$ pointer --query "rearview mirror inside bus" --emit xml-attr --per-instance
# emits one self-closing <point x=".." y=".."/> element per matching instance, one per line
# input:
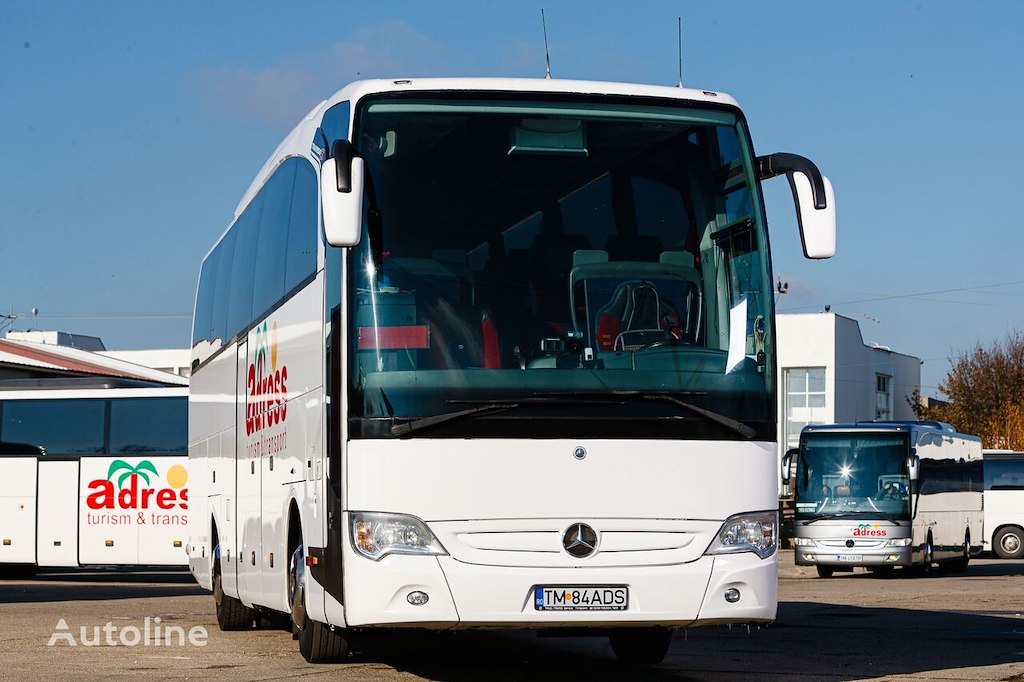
<point x="341" y="182"/>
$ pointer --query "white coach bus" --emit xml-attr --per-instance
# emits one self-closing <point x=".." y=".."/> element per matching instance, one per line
<point x="886" y="494"/>
<point x="1004" y="503"/>
<point x="92" y="472"/>
<point x="495" y="353"/>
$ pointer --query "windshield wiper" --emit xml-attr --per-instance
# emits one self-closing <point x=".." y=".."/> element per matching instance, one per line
<point x="828" y="517"/>
<point x="728" y="422"/>
<point x="862" y="513"/>
<point x="483" y="407"/>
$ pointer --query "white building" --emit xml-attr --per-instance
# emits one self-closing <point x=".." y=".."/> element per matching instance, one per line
<point x="828" y="375"/>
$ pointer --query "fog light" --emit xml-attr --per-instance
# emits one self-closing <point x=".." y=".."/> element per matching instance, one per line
<point x="809" y="557"/>
<point x="732" y="595"/>
<point x="417" y="598"/>
<point x="892" y="557"/>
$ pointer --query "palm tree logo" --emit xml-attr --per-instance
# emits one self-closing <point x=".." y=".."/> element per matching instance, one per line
<point x="139" y="470"/>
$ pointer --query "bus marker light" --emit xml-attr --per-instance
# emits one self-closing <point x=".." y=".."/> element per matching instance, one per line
<point x="109" y="543"/>
<point x="417" y="598"/>
<point x="312" y="560"/>
<point x="7" y="542"/>
<point x="177" y="543"/>
<point x="732" y="595"/>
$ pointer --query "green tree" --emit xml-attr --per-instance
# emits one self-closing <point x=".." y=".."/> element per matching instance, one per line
<point x="985" y="387"/>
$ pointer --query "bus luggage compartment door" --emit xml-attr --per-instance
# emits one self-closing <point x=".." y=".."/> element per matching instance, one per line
<point x="18" y="510"/>
<point x="58" y="513"/>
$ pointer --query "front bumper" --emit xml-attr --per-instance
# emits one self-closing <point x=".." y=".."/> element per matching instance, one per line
<point x="463" y="595"/>
<point x="831" y="556"/>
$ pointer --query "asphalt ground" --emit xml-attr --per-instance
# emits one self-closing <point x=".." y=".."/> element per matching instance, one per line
<point x="856" y="626"/>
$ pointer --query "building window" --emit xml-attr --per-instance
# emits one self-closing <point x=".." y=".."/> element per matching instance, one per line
<point x="883" y="396"/>
<point x="805" y="401"/>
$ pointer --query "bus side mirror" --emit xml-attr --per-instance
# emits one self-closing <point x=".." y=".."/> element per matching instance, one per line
<point x="341" y="186"/>
<point x="914" y="467"/>
<point x="814" y="198"/>
<point x="787" y="462"/>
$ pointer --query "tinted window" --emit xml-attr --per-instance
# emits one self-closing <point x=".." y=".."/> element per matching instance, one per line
<point x="148" y="425"/>
<point x="63" y="427"/>
<point x="221" y="293"/>
<point x="335" y="124"/>
<point x="243" y="266"/>
<point x="1004" y="473"/>
<point x="204" y="300"/>
<point x="950" y="476"/>
<point x="268" y="286"/>
<point x="302" y="228"/>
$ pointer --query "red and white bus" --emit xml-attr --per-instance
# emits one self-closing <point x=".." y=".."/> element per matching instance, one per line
<point x="92" y="472"/>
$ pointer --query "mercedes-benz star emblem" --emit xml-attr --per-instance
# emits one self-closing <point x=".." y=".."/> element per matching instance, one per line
<point x="580" y="540"/>
<point x="579" y="453"/>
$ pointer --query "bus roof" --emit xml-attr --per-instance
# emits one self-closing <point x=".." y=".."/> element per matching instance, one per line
<point x="892" y="425"/>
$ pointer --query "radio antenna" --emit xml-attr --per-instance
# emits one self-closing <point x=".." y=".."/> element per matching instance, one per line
<point x="547" y="53"/>
<point x="680" y="25"/>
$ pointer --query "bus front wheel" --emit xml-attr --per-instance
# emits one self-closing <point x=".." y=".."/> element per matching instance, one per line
<point x="640" y="646"/>
<point x="1008" y="543"/>
<point x="318" y="643"/>
<point x="825" y="571"/>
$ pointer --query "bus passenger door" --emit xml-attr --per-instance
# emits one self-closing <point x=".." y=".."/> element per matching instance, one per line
<point x="248" y="478"/>
<point x="58" y="516"/>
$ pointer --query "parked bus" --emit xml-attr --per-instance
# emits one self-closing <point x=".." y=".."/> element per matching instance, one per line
<point x="1004" y="503"/>
<point x="886" y="494"/>
<point x="495" y="353"/>
<point x="93" y="472"/>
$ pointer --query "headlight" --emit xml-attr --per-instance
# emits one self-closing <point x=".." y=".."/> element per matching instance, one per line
<point x="375" y="535"/>
<point x="757" y="533"/>
<point x="803" y="542"/>
<point x="899" y="542"/>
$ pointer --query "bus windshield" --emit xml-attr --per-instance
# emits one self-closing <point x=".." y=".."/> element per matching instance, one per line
<point x="548" y="247"/>
<point x="857" y="475"/>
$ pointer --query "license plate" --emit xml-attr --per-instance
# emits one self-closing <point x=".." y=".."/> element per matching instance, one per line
<point x="580" y="597"/>
<point x="851" y="557"/>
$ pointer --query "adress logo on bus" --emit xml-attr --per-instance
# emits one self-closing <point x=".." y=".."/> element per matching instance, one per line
<point x="266" y="401"/>
<point x="870" y="530"/>
<point x="137" y="487"/>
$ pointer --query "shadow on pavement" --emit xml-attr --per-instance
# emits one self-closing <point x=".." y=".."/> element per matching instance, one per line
<point x="52" y="585"/>
<point x="810" y="641"/>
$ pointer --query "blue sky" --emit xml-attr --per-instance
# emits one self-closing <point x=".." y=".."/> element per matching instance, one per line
<point x="131" y="130"/>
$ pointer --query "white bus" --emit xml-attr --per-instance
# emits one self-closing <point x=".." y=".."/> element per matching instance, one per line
<point x="92" y="472"/>
<point x="495" y="353"/>
<point x="886" y="494"/>
<point x="1004" y="503"/>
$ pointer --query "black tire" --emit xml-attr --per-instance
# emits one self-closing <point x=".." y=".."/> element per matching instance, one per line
<point x="927" y="565"/>
<point x="1008" y="543"/>
<point x="640" y="646"/>
<point x="318" y="643"/>
<point x="825" y="571"/>
<point x="232" y="614"/>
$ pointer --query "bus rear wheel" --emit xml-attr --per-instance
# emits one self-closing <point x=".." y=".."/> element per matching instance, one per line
<point x="232" y="614"/>
<point x="1008" y="543"/>
<point x="640" y="646"/>
<point x="318" y="643"/>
